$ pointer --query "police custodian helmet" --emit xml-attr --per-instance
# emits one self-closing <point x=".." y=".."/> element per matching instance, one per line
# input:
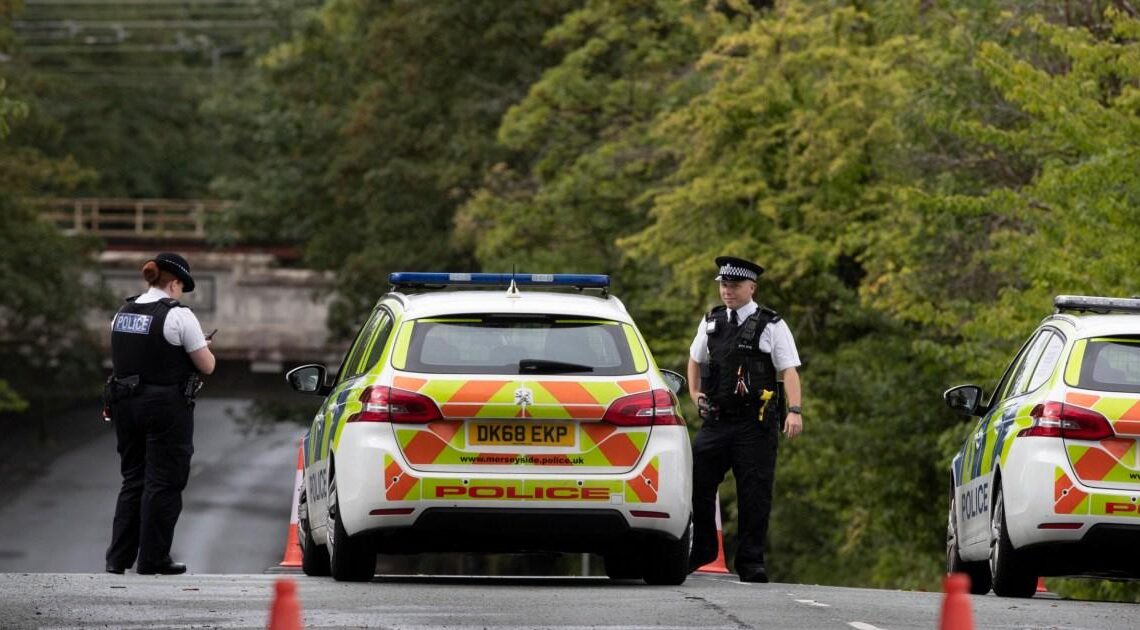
<point x="176" y="265"/>
<point x="735" y="269"/>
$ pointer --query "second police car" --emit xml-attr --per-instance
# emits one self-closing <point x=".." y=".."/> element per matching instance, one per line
<point x="470" y="415"/>
<point x="1048" y="483"/>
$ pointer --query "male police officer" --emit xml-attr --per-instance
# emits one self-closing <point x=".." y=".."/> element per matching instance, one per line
<point x="158" y="349"/>
<point x="740" y="358"/>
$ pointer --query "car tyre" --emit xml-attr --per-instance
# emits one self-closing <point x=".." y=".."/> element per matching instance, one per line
<point x="1012" y="575"/>
<point x="314" y="557"/>
<point x="351" y="558"/>
<point x="667" y="561"/>
<point x="979" y="572"/>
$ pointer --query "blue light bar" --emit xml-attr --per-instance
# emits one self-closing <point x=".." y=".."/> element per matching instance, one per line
<point x="575" y="280"/>
<point x="1096" y="304"/>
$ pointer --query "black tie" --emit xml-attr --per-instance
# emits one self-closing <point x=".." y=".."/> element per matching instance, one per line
<point x="732" y="318"/>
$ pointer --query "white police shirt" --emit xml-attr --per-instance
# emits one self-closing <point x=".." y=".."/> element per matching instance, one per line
<point x="181" y="328"/>
<point x="775" y="340"/>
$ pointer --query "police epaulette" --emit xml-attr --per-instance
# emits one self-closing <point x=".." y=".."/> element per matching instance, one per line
<point x="711" y="315"/>
<point x="773" y="316"/>
<point x="132" y="298"/>
<point x="171" y="302"/>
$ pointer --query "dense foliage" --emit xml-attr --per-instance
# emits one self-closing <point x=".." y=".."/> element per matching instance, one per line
<point x="368" y="129"/>
<point x="44" y="345"/>
<point x="919" y="178"/>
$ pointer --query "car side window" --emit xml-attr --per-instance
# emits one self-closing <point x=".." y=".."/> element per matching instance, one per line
<point x="1047" y="362"/>
<point x="1005" y="387"/>
<point x="348" y="368"/>
<point x="379" y="339"/>
<point x="1028" y="366"/>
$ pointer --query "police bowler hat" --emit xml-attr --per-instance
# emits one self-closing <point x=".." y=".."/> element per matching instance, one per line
<point x="177" y="266"/>
<point x="735" y="269"/>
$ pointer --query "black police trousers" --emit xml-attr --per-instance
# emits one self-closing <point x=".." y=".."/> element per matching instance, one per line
<point x="155" y="430"/>
<point x="748" y="448"/>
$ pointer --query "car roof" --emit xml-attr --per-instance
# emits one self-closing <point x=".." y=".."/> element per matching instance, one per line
<point x="439" y="303"/>
<point x="1097" y="325"/>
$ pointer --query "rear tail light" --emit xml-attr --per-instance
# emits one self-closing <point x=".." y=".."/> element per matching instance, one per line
<point x="644" y="409"/>
<point x="1058" y="419"/>
<point x="381" y="403"/>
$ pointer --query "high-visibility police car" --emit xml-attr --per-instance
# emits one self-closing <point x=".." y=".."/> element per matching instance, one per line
<point x="1049" y="481"/>
<point x="470" y="415"/>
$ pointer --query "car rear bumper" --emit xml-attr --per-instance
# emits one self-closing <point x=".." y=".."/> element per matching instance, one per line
<point x="411" y="511"/>
<point x="1045" y="503"/>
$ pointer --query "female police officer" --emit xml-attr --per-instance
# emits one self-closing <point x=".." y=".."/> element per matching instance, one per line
<point x="740" y="355"/>
<point x="157" y="346"/>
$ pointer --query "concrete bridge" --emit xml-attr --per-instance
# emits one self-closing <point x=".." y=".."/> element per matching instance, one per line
<point x="268" y="311"/>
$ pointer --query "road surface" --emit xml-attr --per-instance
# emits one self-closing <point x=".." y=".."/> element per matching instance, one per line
<point x="235" y="512"/>
<point x="470" y="603"/>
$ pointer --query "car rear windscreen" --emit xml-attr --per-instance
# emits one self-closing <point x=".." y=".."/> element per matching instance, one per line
<point x="510" y="344"/>
<point x="1111" y="364"/>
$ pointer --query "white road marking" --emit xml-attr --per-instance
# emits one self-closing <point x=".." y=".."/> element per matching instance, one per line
<point x="859" y="625"/>
<point x="812" y="602"/>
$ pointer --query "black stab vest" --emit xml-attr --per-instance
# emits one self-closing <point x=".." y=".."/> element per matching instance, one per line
<point x="139" y="347"/>
<point x="732" y="350"/>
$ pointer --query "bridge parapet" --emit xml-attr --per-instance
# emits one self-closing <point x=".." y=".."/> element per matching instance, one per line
<point x="181" y="219"/>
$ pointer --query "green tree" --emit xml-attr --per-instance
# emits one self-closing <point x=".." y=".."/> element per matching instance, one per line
<point x="583" y="152"/>
<point x="1065" y="222"/>
<point x="44" y="346"/>
<point x="374" y="124"/>
<point x="127" y="108"/>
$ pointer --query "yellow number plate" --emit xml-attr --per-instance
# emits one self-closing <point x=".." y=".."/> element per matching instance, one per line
<point x="519" y="434"/>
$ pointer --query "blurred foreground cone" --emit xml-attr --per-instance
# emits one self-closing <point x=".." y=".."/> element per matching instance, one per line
<point x="1041" y="588"/>
<point x="718" y="565"/>
<point x="285" y="614"/>
<point x="292" y="548"/>
<point x="956" y="612"/>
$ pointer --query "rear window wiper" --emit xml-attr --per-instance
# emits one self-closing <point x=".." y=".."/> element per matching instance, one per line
<point x="542" y="366"/>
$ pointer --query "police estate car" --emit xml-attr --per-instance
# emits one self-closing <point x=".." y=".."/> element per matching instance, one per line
<point x="1049" y="481"/>
<point x="470" y="415"/>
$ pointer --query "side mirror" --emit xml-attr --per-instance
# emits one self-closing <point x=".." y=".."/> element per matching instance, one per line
<point x="308" y="379"/>
<point x="675" y="381"/>
<point x="964" y="399"/>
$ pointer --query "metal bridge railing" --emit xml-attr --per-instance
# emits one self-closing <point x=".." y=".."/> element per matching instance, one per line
<point x="132" y="218"/>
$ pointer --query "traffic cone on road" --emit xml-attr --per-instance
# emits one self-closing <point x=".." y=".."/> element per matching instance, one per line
<point x="956" y="611"/>
<point x="1041" y="588"/>
<point x="292" y="548"/>
<point x="718" y="565"/>
<point x="285" y="613"/>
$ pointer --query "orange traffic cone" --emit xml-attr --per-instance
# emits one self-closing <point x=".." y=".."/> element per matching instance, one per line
<point x="718" y="565"/>
<point x="956" y="611"/>
<point x="1041" y="588"/>
<point x="292" y="548"/>
<point x="285" y="613"/>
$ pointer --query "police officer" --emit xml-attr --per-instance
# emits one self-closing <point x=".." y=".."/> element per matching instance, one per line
<point x="158" y="350"/>
<point x="742" y="357"/>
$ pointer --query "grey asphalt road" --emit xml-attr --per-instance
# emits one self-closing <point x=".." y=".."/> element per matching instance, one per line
<point x="470" y="603"/>
<point x="235" y="512"/>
